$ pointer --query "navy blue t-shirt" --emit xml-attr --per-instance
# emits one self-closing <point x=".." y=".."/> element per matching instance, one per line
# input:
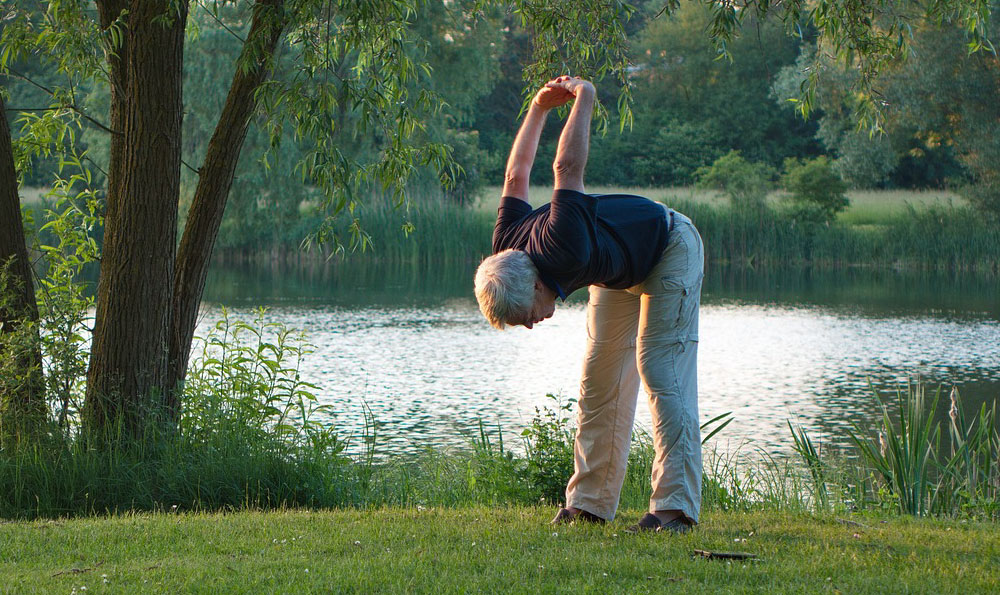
<point x="577" y="239"/>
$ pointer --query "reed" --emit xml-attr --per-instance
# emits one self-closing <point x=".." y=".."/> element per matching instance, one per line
<point x="253" y="436"/>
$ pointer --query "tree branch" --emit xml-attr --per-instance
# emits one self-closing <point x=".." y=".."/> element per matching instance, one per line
<point x="78" y="110"/>
<point x="221" y="24"/>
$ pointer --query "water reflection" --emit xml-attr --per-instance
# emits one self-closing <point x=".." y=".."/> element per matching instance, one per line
<point x="797" y="345"/>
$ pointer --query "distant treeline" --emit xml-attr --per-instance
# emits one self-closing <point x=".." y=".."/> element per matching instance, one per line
<point x="941" y="129"/>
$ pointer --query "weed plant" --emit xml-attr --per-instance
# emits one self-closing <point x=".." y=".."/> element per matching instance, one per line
<point x="904" y="464"/>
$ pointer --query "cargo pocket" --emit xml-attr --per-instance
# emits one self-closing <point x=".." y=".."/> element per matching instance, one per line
<point x="682" y="310"/>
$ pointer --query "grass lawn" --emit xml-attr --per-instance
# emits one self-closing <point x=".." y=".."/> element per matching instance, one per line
<point x="867" y="206"/>
<point x="490" y="550"/>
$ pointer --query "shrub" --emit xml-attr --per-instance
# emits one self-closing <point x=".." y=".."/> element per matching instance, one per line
<point x="816" y="190"/>
<point x="549" y="449"/>
<point x="746" y="183"/>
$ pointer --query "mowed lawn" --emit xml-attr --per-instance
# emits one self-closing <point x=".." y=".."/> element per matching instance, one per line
<point x="867" y="206"/>
<point x="508" y="550"/>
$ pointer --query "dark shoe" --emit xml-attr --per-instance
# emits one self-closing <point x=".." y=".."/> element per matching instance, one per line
<point x="565" y="517"/>
<point x="649" y="522"/>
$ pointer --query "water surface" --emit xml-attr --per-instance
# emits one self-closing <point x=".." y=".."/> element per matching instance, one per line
<point x="775" y="345"/>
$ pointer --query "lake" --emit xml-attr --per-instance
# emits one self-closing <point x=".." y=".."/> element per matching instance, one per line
<point x="776" y="345"/>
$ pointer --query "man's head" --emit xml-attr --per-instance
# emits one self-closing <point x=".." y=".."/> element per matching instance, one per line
<point x="509" y="290"/>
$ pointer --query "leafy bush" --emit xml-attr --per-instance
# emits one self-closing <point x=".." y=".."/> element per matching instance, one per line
<point x="816" y="190"/>
<point x="746" y="183"/>
<point x="549" y="449"/>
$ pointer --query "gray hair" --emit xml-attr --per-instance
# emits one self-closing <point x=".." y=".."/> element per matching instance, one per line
<point x="505" y="286"/>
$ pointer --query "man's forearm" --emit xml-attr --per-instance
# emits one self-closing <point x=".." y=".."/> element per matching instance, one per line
<point x="574" y="142"/>
<point x="522" y="154"/>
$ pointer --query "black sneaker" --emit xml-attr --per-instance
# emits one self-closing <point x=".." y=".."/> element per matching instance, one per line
<point x="649" y="523"/>
<point x="565" y="517"/>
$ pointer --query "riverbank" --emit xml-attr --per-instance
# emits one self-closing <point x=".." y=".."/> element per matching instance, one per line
<point x="882" y="229"/>
<point x="493" y="550"/>
<point x="890" y="229"/>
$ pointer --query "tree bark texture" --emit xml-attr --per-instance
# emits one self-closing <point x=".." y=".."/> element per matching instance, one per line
<point x="24" y="394"/>
<point x="214" y="182"/>
<point x="108" y="12"/>
<point x="126" y="381"/>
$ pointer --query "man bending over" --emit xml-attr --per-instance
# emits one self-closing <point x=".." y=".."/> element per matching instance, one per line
<point x="643" y="265"/>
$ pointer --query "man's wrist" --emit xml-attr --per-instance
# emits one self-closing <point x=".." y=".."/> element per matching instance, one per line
<point x="538" y="107"/>
<point x="586" y="90"/>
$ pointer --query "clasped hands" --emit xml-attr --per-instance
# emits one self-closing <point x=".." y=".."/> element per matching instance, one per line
<point x="561" y="90"/>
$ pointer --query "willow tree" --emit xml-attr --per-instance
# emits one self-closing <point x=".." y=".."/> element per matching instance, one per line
<point x="150" y="285"/>
<point x="21" y="388"/>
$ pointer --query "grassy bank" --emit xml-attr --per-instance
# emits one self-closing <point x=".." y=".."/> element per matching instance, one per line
<point x="494" y="550"/>
<point x="884" y="229"/>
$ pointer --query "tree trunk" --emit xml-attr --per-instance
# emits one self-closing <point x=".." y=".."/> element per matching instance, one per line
<point x="109" y="11"/>
<point x="127" y="378"/>
<point x="22" y="390"/>
<point x="215" y="179"/>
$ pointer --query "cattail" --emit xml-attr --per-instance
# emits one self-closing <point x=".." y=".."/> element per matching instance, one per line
<point x="953" y="412"/>
<point x="883" y="447"/>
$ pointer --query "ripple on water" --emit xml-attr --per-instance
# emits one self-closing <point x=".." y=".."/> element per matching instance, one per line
<point x="430" y="374"/>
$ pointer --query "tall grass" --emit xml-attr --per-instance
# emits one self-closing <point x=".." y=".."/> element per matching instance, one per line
<point x="903" y="464"/>
<point x="253" y="436"/>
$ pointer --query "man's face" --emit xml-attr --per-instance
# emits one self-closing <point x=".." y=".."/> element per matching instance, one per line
<point x="542" y="307"/>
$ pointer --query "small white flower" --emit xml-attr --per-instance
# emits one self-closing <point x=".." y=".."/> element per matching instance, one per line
<point x="307" y="571"/>
<point x="555" y="535"/>
<point x="604" y="574"/>
<point x="473" y="544"/>
<point x="358" y="543"/>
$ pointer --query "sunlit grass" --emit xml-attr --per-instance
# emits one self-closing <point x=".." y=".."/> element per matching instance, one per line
<point x="493" y="550"/>
<point x="867" y="206"/>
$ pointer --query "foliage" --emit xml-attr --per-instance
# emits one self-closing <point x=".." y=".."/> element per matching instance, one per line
<point x="64" y="298"/>
<point x="804" y="447"/>
<point x="905" y="467"/>
<point x="937" y="124"/>
<point x="246" y="378"/>
<point x="745" y="183"/>
<point x="251" y="435"/>
<point x="549" y="449"/>
<point x="18" y="347"/>
<point x="971" y="474"/>
<point x="817" y="192"/>
<point x="866" y="37"/>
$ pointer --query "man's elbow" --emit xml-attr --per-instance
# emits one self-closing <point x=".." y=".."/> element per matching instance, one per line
<point x="515" y="177"/>
<point x="568" y="173"/>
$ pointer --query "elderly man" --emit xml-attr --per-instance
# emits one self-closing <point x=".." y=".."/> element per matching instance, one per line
<point x="643" y="264"/>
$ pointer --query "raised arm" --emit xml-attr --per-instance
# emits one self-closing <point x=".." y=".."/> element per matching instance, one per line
<point x="522" y="154"/>
<point x="574" y="142"/>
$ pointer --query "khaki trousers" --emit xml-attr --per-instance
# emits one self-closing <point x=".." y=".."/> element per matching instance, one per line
<point x="646" y="333"/>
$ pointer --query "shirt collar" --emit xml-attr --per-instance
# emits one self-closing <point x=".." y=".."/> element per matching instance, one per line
<point x="552" y="284"/>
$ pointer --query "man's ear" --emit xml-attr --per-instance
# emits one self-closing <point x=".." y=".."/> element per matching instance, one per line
<point x="538" y="284"/>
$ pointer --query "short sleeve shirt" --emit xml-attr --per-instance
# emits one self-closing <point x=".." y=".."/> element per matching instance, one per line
<point x="611" y="240"/>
